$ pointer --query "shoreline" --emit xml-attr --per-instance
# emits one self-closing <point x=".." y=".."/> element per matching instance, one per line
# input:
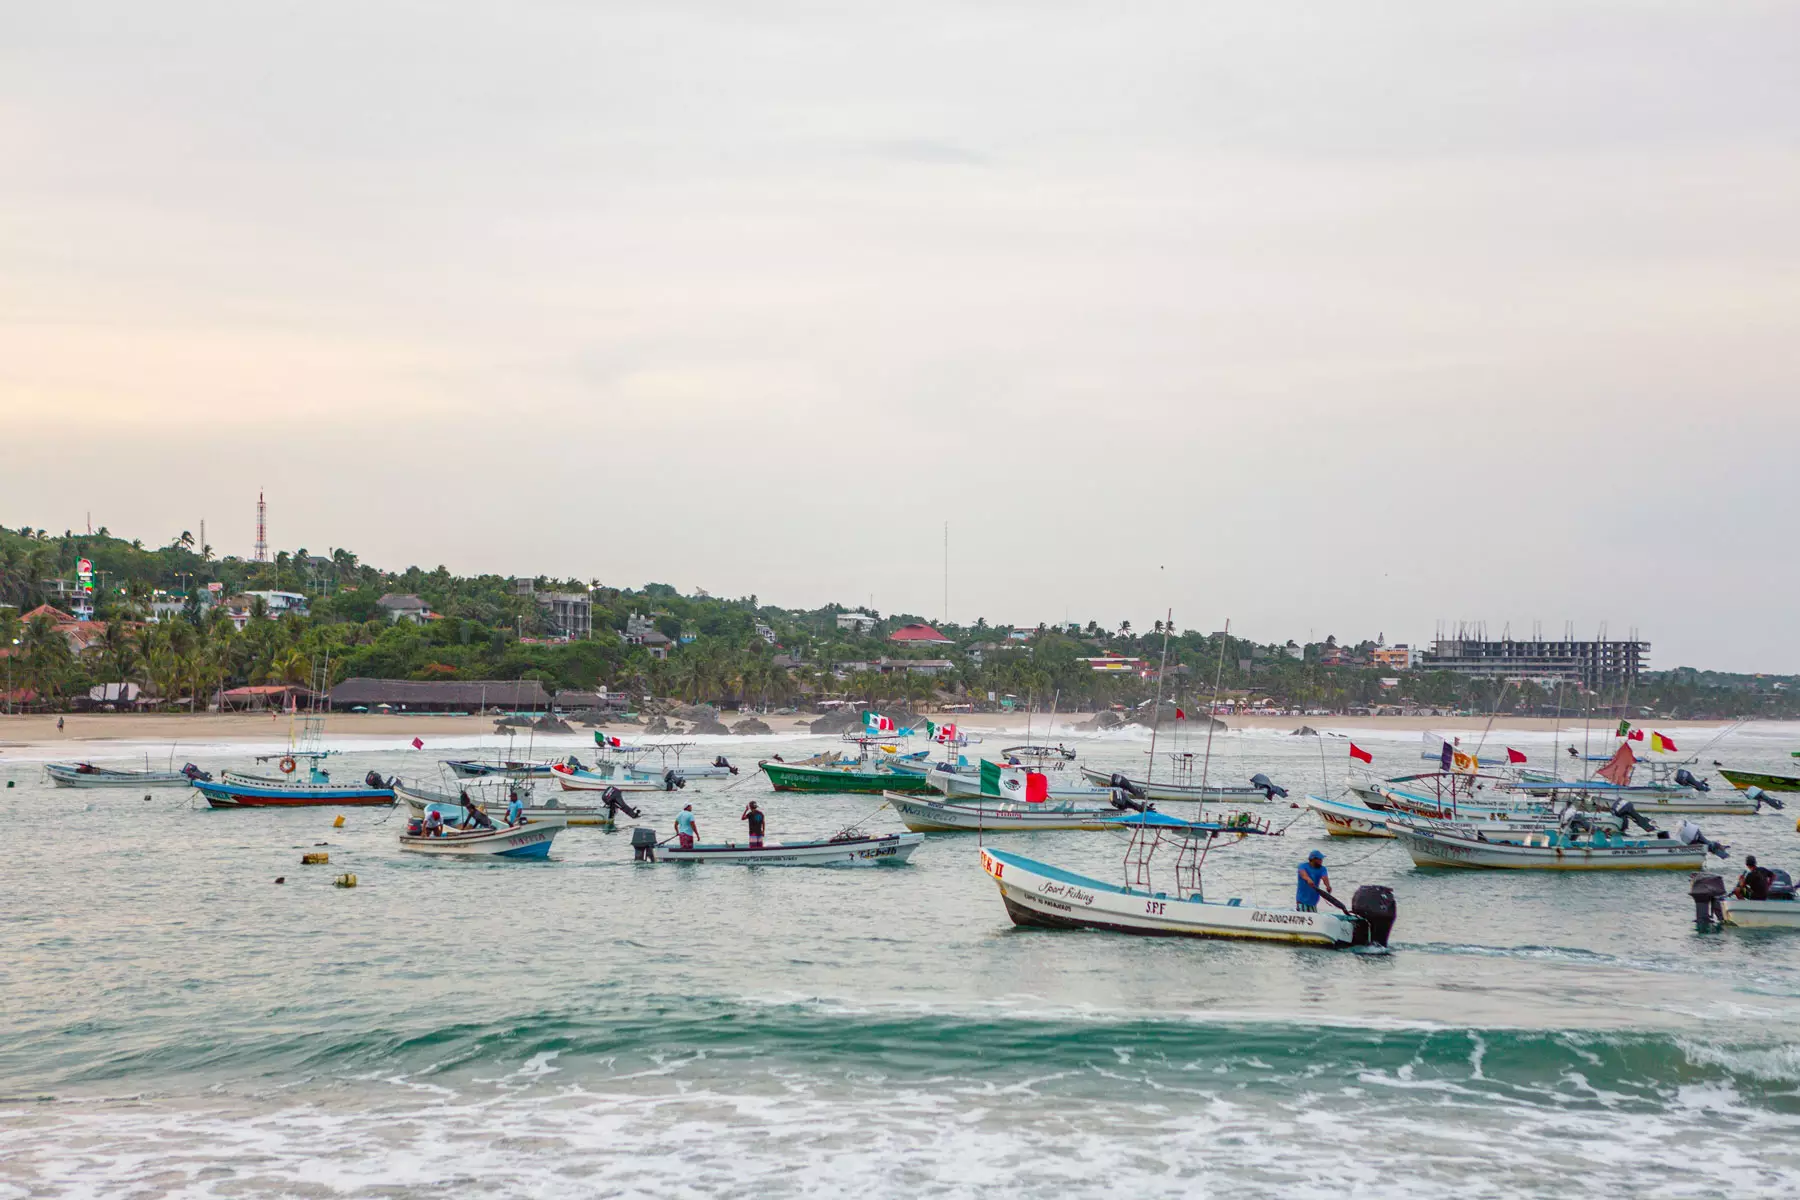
<point x="90" y="733"/>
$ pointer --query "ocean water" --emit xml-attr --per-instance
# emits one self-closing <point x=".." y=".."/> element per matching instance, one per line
<point x="177" y="1024"/>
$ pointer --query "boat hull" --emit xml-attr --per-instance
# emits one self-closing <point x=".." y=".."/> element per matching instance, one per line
<point x="1438" y="847"/>
<point x="530" y="840"/>
<point x="923" y="815"/>
<point x="1038" y="895"/>
<point x="1212" y="793"/>
<point x="787" y="777"/>
<point x="232" y="792"/>
<point x="888" y="850"/>
<point x="1762" y="914"/>
<point x="1345" y="819"/>
<point x="63" y="775"/>
<point x="1768" y="783"/>
<point x="416" y="799"/>
<point x="968" y="787"/>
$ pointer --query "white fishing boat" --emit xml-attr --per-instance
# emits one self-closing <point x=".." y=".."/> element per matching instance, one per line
<point x="1446" y="845"/>
<point x="860" y="850"/>
<point x="922" y="814"/>
<point x="87" y="775"/>
<point x="1046" y="896"/>
<point x="1762" y="914"/>
<point x="1185" y="785"/>
<point x="1348" y="818"/>
<point x="997" y="783"/>
<point x="529" y="840"/>
<point x="609" y="775"/>
<point x="494" y="800"/>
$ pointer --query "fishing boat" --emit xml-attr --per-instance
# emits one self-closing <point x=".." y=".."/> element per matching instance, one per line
<point x="856" y="850"/>
<point x="234" y="789"/>
<point x="995" y="782"/>
<point x="494" y="800"/>
<point x="481" y="768"/>
<point x="669" y="755"/>
<point x="866" y="773"/>
<point x="610" y="775"/>
<point x="528" y="840"/>
<point x="925" y="815"/>
<point x="1350" y="818"/>
<point x="1038" y="894"/>
<point x="1745" y="780"/>
<point x="1184" y="785"/>
<point x="87" y="775"/>
<point x="1447" y="845"/>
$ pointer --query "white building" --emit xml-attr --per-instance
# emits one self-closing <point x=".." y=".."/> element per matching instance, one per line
<point x="856" y="622"/>
<point x="280" y="604"/>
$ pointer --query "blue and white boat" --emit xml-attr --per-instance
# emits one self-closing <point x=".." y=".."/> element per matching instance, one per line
<point x="529" y="839"/>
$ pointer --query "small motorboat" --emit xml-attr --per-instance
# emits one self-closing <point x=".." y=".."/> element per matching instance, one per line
<point x="923" y="815"/>
<point x="1715" y="907"/>
<point x="1187" y="786"/>
<point x="235" y="790"/>
<point x="494" y="801"/>
<point x="867" y="773"/>
<point x="845" y="850"/>
<point x="1037" y="894"/>
<point x="87" y="775"/>
<point x="530" y="839"/>
<point x="616" y="775"/>
<point x="1448" y="844"/>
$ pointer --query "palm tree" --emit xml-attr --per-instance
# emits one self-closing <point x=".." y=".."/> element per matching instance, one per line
<point x="45" y="657"/>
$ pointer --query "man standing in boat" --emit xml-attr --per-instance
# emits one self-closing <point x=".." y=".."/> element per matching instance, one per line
<point x="685" y="829"/>
<point x="756" y="817"/>
<point x="1314" y="878"/>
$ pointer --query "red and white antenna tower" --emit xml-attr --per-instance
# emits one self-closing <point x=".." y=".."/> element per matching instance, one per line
<point x="262" y="529"/>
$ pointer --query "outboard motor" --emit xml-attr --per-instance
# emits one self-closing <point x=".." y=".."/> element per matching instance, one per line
<point x="643" y="844"/>
<point x="671" y="780"/>
<point x="1124" y="803"/>
<point x="1269" y="790"/>
<point x="374" y="780"/>
<point x="614" y="800"/>
<point x="415" y="827"/>
<point x="1377" y="907"/>
<point x="575" y="764"/>
<point x="1628" y="814"/>
<point x="1708" y="892"/>
<point x="1686" y="778"/>
<point x="1120" y="783"/>
<point x="1782" y="886"/>
<point x="1761" y="797"/>
<point x="195" y="773"/>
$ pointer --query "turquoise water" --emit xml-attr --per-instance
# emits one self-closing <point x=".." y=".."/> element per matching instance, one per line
<point x="179" y="1025"/>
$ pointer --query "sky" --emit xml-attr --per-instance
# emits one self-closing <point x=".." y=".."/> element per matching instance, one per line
<point x="1323" y="319"/>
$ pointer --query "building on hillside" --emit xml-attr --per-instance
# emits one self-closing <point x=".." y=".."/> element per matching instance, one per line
<point x="1294" y="650"/>
<point x="570" y="614"/>
<point x="405" y="607"/>
<point x="280" y="604"/>
<point x="918" y="634"/>
<point x="642" y="631"/>
<point x="414" y="695"/>
<point x="914" y="666"/>
<point x="765" y="633"/>
<point x="1116" y="663"/>
<point x="856" y="622"/>
<point x="1594" y="665"/>
<point x="1394" y="658"/>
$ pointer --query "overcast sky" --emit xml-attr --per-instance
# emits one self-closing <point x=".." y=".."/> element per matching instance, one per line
<point x="1324" y="318"/>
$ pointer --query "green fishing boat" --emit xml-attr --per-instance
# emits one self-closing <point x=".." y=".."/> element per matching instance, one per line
<point x="1743" y="780"/>
<point x="865" y="773"/>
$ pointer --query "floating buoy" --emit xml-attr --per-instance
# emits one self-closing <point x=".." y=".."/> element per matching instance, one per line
<point x="281" y="879"/>
<point x="146" y="799"/>
<point x="9" y="783"/>
<point x="313" y="860"/>
<point x="345" y="881"/>
<point x="339" y="823"/>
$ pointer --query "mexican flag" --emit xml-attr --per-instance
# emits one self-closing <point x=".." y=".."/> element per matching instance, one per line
<point x="876" y="723"/>
<point x="946" y="733"/>
<point x="1017" y="783"/>
<point x="601" y="739"/>
<point x="1624" y="728"/>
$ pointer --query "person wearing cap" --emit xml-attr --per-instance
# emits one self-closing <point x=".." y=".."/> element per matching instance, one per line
<point x="1314" y="878"/>
<point x="685" y="829"/>
<point x="755" y="816"/>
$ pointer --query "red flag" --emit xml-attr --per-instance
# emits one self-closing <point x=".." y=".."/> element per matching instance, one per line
<point x="1513" y="756"/>
<point x="1037" y="787"/>
<point x="1660" y="741"/>
<point x="1636" y="735"/>
<point x="1357" y="751"/>
<point x="418" y="745"/>
<point x="1617" y="771"/>
<point x="613" y="741"/>
<point x="1180" y="715"/>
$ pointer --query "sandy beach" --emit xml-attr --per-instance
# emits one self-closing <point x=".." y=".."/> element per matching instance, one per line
<point x="39" y="732"/>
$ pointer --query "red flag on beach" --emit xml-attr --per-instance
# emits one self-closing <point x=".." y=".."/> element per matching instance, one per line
<point x="1513" y="756"/>
<point x="1180" y="715"/>
<point x="1357" y="751"/>
<point x="1037" y="787"/>
<point x="418" y="745"/>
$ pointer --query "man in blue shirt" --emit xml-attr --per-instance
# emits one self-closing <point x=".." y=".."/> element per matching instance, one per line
<point x="685" y="829"/>
<point x="1314" y="878"/>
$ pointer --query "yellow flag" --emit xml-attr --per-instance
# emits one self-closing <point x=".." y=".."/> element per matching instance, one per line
<point x="1465" y="762"/>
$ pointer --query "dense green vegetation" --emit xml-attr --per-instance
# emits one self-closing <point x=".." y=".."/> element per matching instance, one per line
<point x="487" y="629"/>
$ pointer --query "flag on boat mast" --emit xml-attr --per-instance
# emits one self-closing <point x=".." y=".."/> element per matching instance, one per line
<point x="1515" y="756"/>
<point x="418" y="744"/>
<point x="1660" y="744"/>
<point x="874" y="722"/>
<point x="1617" y="770"/>
<point x="1358" y="752"/>
<point x="1624" y="728"/>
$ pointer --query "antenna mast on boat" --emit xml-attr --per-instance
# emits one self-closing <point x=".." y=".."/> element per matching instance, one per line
<point x="1212" y="706"/>
<point x="1156" y="713"/>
